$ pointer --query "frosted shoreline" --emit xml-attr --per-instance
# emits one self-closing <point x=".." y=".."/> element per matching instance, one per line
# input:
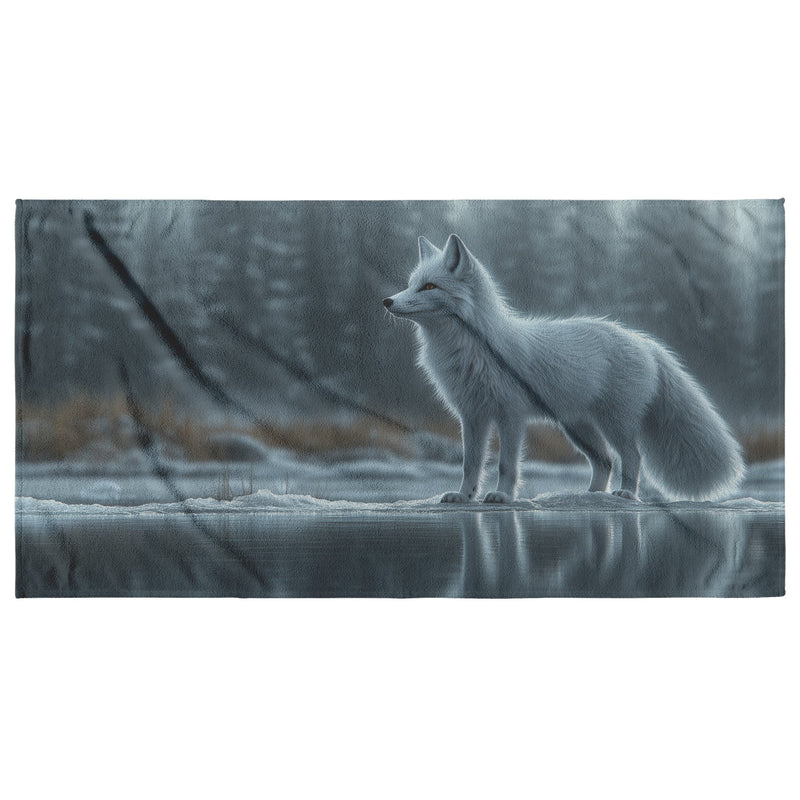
<point x="265" y="501"/>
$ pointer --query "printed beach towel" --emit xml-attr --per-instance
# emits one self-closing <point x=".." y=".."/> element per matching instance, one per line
<point x="400" y="399"/>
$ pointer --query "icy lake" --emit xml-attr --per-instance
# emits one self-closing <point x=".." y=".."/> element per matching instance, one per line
<point x="308" y="529"/>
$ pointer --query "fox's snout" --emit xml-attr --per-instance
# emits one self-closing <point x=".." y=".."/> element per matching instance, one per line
<point x="388" y="302"/>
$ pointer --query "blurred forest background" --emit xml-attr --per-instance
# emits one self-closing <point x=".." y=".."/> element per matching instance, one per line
<point x="278" y="307"/>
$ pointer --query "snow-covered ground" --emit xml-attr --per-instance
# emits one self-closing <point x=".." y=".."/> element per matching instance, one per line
<point x="270" y="502"/>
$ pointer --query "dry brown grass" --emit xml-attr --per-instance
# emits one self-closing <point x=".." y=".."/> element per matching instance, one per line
<point x="547" y="443"/>
<point x="763" y="444"/>
<point x="54" y="433"/>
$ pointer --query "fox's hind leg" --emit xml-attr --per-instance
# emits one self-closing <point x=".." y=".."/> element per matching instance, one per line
<point x="631" y="464"/>
<point x="620" y="430"/>
<point x="510" y="433"/>
<point x="588" y="440"/>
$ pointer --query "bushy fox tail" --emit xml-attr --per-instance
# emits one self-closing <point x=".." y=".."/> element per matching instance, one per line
<point x="687" y="449"/>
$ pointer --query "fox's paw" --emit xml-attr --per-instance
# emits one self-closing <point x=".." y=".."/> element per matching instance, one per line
<point x="454" y="497"/>
<point x="497" y="497"/>
<point x="626" y="495"/>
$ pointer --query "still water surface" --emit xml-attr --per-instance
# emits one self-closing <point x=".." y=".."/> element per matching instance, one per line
<point x="460" y="554"/>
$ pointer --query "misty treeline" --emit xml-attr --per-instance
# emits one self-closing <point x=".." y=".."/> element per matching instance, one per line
<point x="265" y="294"/>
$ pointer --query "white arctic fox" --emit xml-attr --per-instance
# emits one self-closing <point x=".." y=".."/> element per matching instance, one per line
<point x="610" y="389"/>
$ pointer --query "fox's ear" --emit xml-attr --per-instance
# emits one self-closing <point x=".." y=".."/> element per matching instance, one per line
<point x="456" y="255"/>
<point x="427" y="249"/>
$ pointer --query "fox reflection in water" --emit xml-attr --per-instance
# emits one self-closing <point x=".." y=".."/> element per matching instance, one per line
<point x="627" y="555"/>
<point x="463" y="554"/>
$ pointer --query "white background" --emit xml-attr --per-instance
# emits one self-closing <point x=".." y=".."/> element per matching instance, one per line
<point x="213" y="698"/>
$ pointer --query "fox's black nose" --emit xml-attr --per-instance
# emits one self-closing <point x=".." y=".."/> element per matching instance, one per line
<point x="388" y="302"/>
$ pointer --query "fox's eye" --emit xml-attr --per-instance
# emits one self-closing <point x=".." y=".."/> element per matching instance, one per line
<point x="428" y="286"/>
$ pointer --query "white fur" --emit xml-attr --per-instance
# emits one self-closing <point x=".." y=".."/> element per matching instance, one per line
<point x="611" y="389"/>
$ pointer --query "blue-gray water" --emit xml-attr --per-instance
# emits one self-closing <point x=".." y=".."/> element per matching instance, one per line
<point x="458" y="554"/>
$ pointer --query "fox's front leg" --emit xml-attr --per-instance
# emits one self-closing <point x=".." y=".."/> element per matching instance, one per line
<point x="511" y="433"/>
<point x="474" y="433"/>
